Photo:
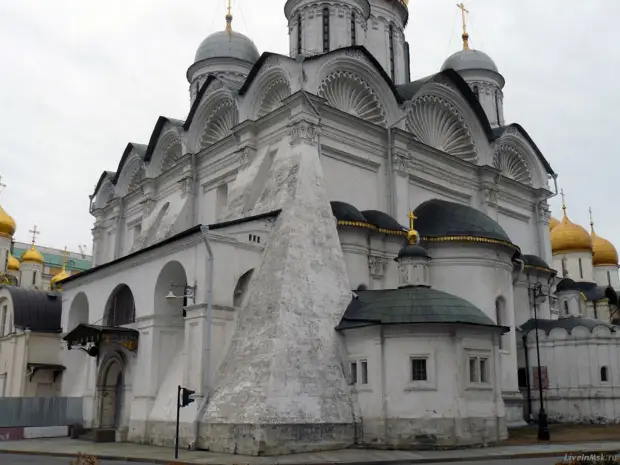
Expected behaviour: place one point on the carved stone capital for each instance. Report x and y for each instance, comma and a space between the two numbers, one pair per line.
245, 156
357, 54
544, 214
490, 195
376, 264
148, 205
186, 185
303, 132
400, 162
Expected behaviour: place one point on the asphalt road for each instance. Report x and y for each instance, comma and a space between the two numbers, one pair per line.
10, 459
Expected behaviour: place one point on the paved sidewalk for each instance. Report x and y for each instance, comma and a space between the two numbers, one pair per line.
65, 447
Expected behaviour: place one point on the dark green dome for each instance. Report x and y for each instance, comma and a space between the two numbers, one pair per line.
410, 305
442, 219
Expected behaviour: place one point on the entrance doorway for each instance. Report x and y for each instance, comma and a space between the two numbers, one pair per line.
111, 394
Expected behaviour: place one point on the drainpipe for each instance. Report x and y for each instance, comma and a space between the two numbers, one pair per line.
538, 205
390, 164
521, 268
195, 189
209, 299
527, 378
384, 405
119, 229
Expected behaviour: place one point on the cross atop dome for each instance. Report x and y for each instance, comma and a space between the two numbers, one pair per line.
465, 35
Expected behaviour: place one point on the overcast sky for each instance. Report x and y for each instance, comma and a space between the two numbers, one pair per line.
82, 78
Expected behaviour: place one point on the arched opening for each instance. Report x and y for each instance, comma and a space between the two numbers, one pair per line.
241, 289
121, 308
391, 39
110, 388
78, 312
501, 320
299, 34
565, 308
172, 277
604, 375
353, 32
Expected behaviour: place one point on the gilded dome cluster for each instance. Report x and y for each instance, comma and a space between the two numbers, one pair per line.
567, 237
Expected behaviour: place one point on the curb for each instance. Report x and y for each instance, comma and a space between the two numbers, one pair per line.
427, 460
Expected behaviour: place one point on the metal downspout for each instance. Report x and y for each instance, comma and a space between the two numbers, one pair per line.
527, 378
207, 355
195, 189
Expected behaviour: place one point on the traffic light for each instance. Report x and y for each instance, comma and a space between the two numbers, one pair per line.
185, 397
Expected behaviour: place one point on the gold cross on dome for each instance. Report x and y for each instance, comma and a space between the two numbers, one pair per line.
465, 35
2, 186
34, 232
65, 255
412, 218
563, 200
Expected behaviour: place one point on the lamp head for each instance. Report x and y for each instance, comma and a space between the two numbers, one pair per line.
170, 295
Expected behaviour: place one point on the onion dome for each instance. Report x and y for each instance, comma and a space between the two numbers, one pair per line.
469, 59
32, 255
553, 222
603, 252
569, 237
59, 277
7, 224
13, 263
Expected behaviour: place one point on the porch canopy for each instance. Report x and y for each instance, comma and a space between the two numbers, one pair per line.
83, 335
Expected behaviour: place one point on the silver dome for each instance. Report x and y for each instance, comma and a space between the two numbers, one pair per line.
227, 44
469, 59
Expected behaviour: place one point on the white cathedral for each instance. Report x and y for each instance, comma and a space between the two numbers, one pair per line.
262, 253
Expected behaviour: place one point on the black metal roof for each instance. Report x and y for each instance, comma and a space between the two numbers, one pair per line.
83, 333
534, 261
568, 323
346, 212
591, 291
188, 232
39, 311
413, 251
382, 220
440, 218
411, 305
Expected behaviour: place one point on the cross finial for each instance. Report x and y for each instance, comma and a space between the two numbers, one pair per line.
591, 219
2, 186
563, 201
228, 16
465, 35
412, 235
65, 255
34, 232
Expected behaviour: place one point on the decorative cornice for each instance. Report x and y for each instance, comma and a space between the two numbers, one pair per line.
483, 240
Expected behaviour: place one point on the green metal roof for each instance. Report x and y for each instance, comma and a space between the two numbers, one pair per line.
411, 305
56, 260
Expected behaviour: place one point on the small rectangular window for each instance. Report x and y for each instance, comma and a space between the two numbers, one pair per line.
34, 278
299, 35
3, 316
473, 370
326, 29
522, 377
580, 269
484, 370
353, 372
352, 28
418, 369
364, 364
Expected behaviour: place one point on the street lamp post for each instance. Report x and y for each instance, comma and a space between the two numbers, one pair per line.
538, 296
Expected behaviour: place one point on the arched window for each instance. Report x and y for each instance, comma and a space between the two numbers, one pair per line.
121, 308
299, 34
353, 28
565, 307
608, 278
241, 288
326, 29
476, 92
604, 375
580, 269
500, 318
391, 38
499, 121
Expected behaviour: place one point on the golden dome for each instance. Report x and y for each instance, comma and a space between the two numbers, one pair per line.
32, 255
569, 237
603, 252
7, 224
59, 277
13, 263
553, 222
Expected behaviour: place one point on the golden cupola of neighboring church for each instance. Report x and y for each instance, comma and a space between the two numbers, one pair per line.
32, 255
569, 237
61, 275
13, 263
7, 224
603, 252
